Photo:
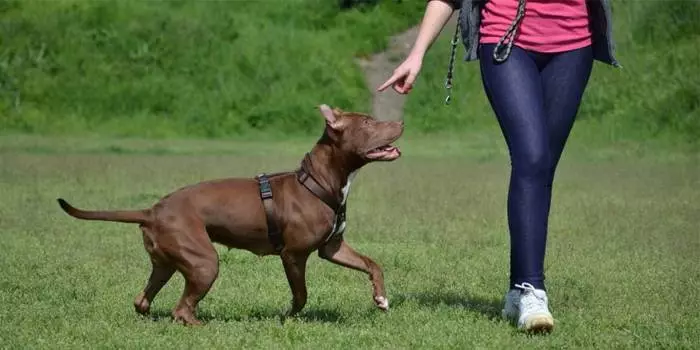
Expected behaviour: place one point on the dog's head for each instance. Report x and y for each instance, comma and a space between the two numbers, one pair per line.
361, 135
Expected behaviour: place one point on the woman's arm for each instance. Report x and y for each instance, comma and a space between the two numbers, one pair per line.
437, 13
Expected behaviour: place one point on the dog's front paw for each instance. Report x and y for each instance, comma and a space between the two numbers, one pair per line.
382, 302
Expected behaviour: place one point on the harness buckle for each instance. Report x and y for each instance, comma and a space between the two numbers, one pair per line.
265, 188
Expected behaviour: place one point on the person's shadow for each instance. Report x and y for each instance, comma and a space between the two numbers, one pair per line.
490, 307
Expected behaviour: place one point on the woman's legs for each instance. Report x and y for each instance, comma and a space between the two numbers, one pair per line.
564, 79
535, 98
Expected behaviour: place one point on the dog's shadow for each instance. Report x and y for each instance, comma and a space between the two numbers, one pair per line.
206, 316
489, 307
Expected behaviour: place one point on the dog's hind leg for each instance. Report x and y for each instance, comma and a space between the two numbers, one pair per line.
159, 277
295, 269
339, 252
160, 274
198, 262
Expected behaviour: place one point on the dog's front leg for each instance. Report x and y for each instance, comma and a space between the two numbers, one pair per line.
295, 269
339, 252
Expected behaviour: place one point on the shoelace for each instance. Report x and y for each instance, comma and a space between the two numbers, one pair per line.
526, 287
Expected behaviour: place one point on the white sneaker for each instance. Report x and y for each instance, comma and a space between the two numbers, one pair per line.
510, 309
534, 315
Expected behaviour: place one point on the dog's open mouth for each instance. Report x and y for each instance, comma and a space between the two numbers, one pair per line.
386, 152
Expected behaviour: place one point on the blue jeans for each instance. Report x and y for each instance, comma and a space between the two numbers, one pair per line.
535, 97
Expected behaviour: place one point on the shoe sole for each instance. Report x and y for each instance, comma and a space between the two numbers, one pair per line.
539, 324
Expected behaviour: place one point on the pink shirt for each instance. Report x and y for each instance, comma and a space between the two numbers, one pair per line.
548, 25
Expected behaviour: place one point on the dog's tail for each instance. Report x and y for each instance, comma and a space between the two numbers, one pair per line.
129, 216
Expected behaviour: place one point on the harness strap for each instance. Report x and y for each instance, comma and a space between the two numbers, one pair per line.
308, 181
312, 185
339, 220
273, 232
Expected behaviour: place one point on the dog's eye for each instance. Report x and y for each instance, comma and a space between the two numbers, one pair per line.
365, 121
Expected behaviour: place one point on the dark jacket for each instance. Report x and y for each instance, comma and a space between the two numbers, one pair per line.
600, 17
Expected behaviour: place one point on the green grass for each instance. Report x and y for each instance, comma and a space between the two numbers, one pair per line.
621, 264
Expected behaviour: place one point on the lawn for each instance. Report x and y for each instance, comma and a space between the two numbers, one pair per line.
622, 263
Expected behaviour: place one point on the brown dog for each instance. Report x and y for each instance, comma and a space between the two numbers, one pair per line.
305, 213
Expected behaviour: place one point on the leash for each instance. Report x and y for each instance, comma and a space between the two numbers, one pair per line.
509, 35
451, 65
499, 55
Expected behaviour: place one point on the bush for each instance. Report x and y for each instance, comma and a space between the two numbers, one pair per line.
656, 94
184, 68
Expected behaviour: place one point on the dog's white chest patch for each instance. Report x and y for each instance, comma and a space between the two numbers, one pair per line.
339, 228
346, 189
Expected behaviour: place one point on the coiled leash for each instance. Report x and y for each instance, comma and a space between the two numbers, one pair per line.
509, 35
500, 52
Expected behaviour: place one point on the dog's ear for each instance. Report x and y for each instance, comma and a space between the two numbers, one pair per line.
331, 115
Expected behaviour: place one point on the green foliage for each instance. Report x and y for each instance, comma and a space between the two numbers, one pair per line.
205, 68
656, 94
221, 68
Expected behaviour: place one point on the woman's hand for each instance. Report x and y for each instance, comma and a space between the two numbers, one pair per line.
404, 75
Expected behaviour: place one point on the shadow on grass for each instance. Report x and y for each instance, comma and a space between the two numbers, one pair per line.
489, 307
311, 315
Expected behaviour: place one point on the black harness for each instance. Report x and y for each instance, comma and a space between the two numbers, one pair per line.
274, 233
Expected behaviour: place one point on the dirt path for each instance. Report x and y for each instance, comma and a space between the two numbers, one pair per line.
388, 104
